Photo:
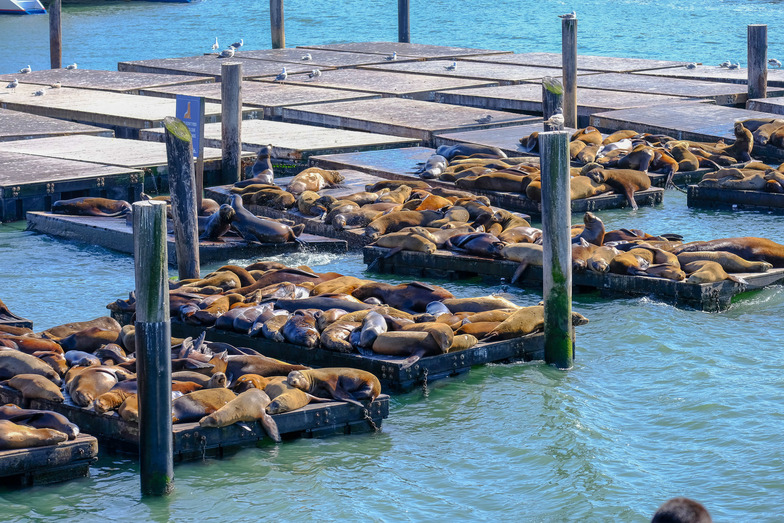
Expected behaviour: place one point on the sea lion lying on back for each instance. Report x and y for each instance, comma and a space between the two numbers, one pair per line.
314, 179
89, 206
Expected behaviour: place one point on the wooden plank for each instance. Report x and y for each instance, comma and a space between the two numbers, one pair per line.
711, 297
15, 125
49, 464
318, 57
607, 64
388, 369
117, 81
714, 73
272, 97
405, 49
716, 198
766, 105
125, 113
400, 117
117, 234
208, 65
505, 74
385, 83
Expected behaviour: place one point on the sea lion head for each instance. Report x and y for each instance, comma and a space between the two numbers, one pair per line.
597, 175
265, 152
299, 380
226, 213
217, 381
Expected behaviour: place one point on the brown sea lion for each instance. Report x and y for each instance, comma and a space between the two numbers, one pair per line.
525, 254
90, 206
520, 234
300, 329
478, 329
409, 297
525, 321
741, 148
285, 397
30, 344
580, 254
249, 406
638, 159
87, 385
40, 419
218, 224
588, 135
600, 259
35, 386
314, 179
397, 220
617, 136
17, 436
194, 406
579, 187
253, 228
629, 263
748, 248
623, 181
478, 304
729, 262
235, 365
339, 383
704, 271
249, 381
593, 232
14, 362
335, 337
90, 339
62, 331
129, 410
403, 241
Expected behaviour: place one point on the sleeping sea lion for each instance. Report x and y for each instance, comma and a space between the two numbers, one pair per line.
14, 362
195, 405
412, 296
16, 436
339, 383
314, 179
89, 206
249, 406
704, 271
35, 386
40, 419
728, 261
748, 248
285, 397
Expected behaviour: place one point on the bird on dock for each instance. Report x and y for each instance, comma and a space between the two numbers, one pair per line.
451, 67
485, 119
774, 63
725, 64
556, 121
227, 53
56, 85
735, 65
315, 73
12, 84
39, 93
25, 70
692, 65
569, 16
215, 45
237, 45
282, 76
71, 67
307, 57
393, 56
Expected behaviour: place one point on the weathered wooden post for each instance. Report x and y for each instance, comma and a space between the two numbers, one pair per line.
569, 63
552, 102
758, 60
557, 245
231, 122
276, 22
179, 154
55, 34
403, 21
153, 348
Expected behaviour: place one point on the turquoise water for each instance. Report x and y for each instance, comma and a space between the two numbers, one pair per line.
661, 402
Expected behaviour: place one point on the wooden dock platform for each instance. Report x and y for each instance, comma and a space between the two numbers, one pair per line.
709, 297
116, 234
32, 183
271, 97
126, 114
766, 105
116, 81
421, 51
715, 198
400, 117
209, 65
15, 125
389, 84
192, 442
608, 64
319, 58
388, 369
714, 73
50, 464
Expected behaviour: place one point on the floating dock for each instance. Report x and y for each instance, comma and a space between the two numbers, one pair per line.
716, 198
209, 65
407, 50
117, 234
766, 105
606, 64
50, 464
32, 183
116, 81
318, 57
192, 442
714, 73
15, 125
709, 297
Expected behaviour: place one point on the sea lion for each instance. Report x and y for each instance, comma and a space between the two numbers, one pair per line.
666, 271
705, 271
273, 197
195, 405
623, 181
249, 406
14, 362
525, 254
360, 218
478, 304
394, 221
743, 145
111, 353
600, 259
593, 232
409, 297
249, 381
90, 339
262, 167
373, 325
87, 385
300, 329
339, 383
30, 344
35, 386
78, 358
90, 206
313, 179
748, 248
433, 167
525, 321
403, 241
218, 223
40, 419
285, 397
729, 262
579, 187
629, 263
476, 243
465, 149
306, 203
234, 366
617, 136
270, 329
129, 410
59, 332
16, 436
589, 135
253, 228
335, 337
493, 181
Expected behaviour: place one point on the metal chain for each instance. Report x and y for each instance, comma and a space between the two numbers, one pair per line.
203, 442
366, 416
425, 390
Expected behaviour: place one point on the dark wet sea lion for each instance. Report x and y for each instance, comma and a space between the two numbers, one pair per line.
593, 231
339, 383
253, 228
335, 337
450, 151
300, 329
78, 358
476, 243
89, 206
412, 296
218, 223
373, 325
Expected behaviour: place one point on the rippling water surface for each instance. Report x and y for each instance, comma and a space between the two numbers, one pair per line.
661, 401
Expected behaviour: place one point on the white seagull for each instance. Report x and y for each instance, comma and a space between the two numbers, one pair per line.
237, 45
774, 63
734, 66
692, 65
227, 53
569, 16
451, 67
12, 84
315, 73
215, 45
307, 57
393, 56
72, 66
725, 63
40, 93
485, 119
24, 70
282, 76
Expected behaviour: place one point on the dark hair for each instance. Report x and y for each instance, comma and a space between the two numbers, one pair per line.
681, 510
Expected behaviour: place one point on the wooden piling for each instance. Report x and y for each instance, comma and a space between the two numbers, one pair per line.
153, 348
557, 266
758, 60
552, 102
569, 62
231, 121
403, 21
276, 23
55, 34
182, 185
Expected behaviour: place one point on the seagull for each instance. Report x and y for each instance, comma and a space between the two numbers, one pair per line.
393, 56
227, 53
692, 65
568, 16
556, 120
282, 76
307, 57
25, 70
215, 45
315, 73
72, 66
40, 93
12, 84
237, 45
725, 63
734, 66
451, 67
774, 63
56, 85
485, 119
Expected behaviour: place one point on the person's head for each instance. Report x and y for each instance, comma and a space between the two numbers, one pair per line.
681, 510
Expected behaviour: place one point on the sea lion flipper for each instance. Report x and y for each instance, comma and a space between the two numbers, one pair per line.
340, 394
393, 251
316, 399
519, 271
422, 285
270, 427
411, 360
737, 279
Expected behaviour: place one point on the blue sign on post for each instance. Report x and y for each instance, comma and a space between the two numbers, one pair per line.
189, 111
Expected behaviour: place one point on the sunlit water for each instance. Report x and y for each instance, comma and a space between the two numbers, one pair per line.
661, 401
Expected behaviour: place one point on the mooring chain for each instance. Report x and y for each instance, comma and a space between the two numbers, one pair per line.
366, 416
203, 443
425, 390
